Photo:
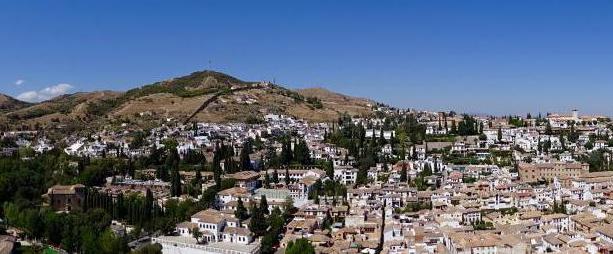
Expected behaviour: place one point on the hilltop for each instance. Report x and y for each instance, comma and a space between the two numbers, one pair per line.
200, 96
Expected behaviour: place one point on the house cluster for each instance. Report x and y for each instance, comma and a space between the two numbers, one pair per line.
574, 215
518, 186
12, 141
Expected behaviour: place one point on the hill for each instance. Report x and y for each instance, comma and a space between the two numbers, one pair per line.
8, 103
339, 102
200, 96
77, 105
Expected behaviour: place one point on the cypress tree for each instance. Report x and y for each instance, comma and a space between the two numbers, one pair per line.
548, 130
172, 160
403, 174
261, 163
445, 120
228, 165
198, 177
217, 168
266, 180
175, 182
286, 152
275, 176
301, 152
287, 179
130, 168
148, 204
241, 211
257, 223
245, 160
86, 200
435, 164
264, 205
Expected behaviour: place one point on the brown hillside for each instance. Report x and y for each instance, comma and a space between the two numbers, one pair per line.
207, 95
8, 103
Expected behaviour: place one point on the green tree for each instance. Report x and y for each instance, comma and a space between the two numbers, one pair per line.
148, 205
300, 246
172, 159
89, 241
198, 177
271, 238
562, 141
573, 135
217, 168
111, 244
382, 140
302, 154
244, 157
288, 206
149, 249
362, 177
427, 171
275, 176
589, 145
286, 151
327, 222
241, 211
548, 130
175, 182
287, 178
257, 223
196, 234
403, 174
264, 205
266, 180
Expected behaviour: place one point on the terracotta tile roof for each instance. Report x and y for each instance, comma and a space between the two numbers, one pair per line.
209, 216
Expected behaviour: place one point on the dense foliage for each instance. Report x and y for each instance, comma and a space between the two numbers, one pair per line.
300, 246
26, 176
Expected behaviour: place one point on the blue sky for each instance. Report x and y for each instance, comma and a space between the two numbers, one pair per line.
472, 56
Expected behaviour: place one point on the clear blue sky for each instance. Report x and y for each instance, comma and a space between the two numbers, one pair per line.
472, 56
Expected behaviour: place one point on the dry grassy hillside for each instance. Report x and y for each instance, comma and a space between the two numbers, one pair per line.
8, 103
339, 102
210, 96
77, 106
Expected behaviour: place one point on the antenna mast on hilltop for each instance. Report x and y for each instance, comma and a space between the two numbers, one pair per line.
210, 65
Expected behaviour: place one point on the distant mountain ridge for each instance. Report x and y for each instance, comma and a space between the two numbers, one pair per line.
200, 96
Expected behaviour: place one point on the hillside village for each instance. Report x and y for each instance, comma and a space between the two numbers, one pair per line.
306, 127
401, 181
